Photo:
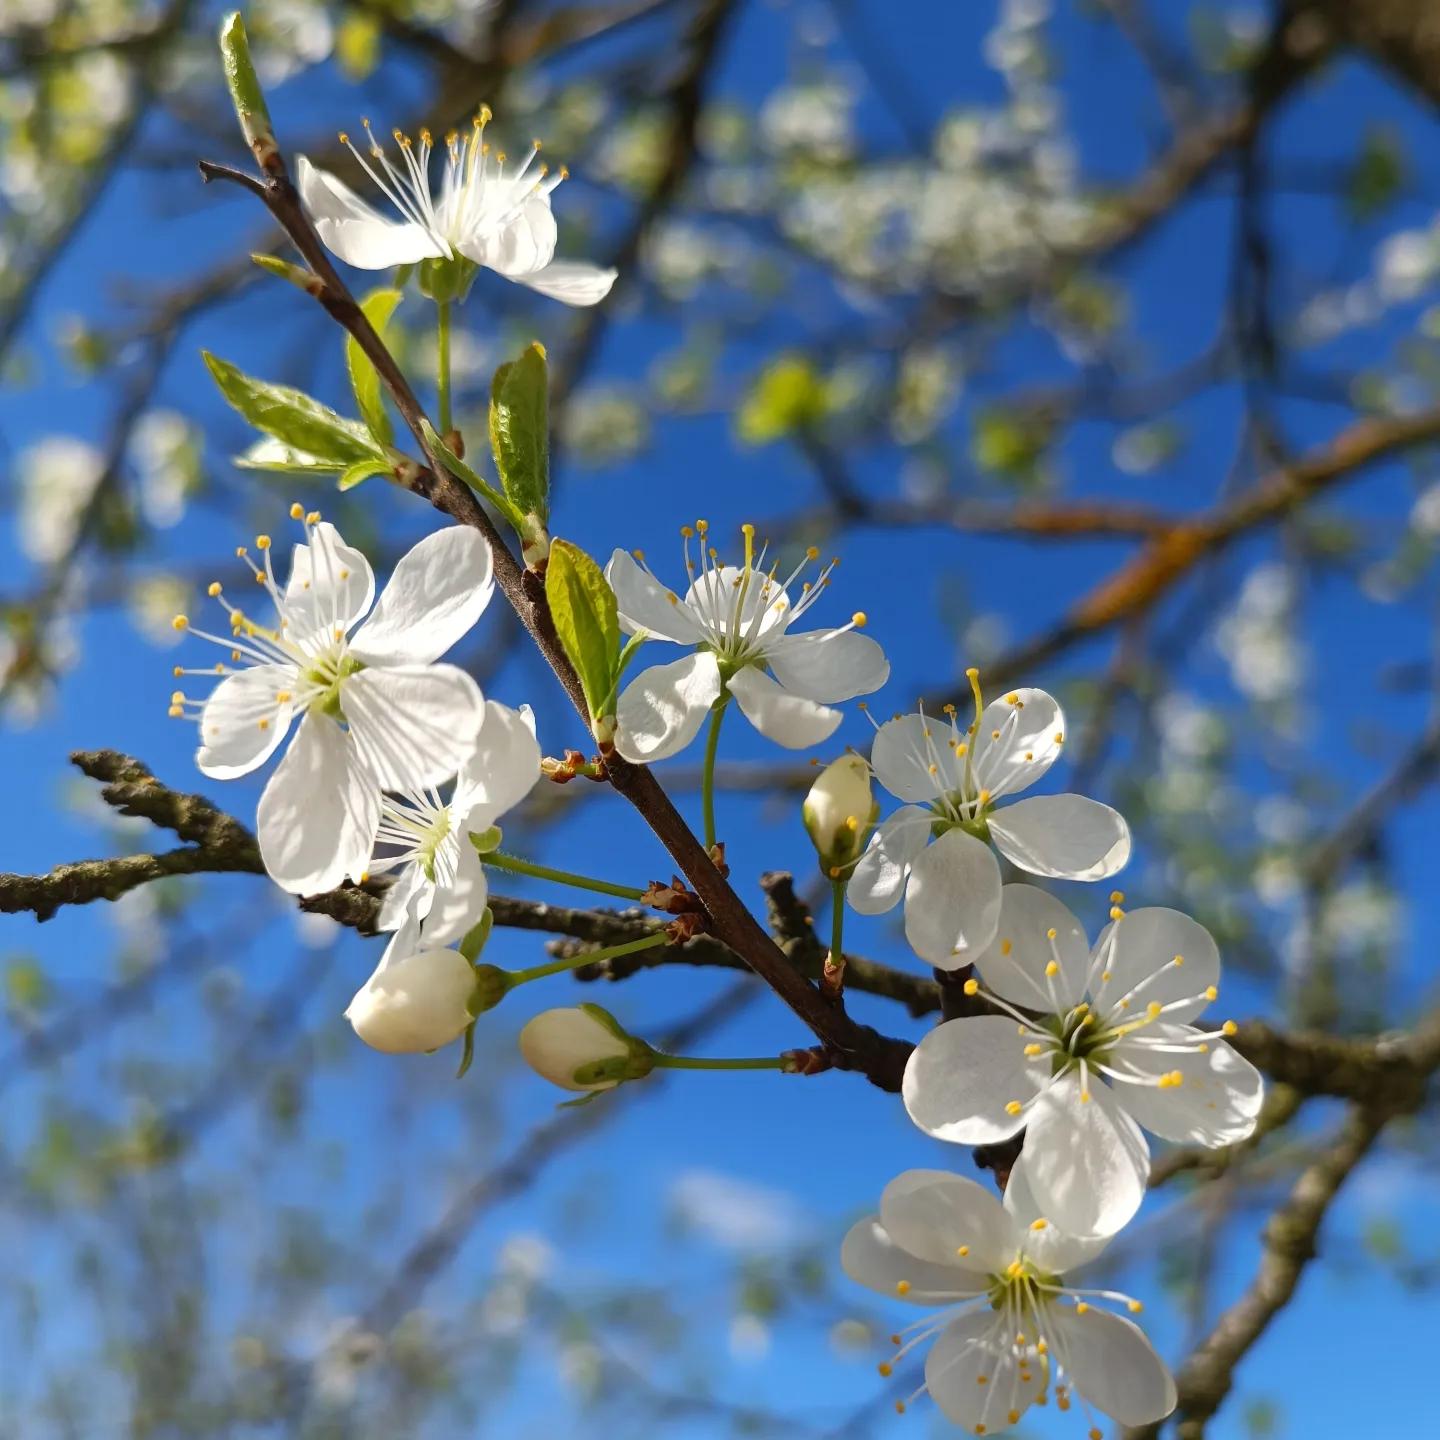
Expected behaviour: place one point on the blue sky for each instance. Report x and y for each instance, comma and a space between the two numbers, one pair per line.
824, 1147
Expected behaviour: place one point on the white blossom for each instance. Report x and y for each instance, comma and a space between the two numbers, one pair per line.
1008, 1331
58, 476
738, 619
559, 1043
1091, 1045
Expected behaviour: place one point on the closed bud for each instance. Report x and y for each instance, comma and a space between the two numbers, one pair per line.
584, 1047
418, 1001
839, 812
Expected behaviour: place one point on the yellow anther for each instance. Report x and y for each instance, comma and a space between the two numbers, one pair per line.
1116, 913
994, 734
1134, 1306
1082, 1308
1059, 738
1052, 970
1117, 896
1033, 1050
982, 1379
1177, 960
213, 589
1040, 1224
1105, 975
1154, 1009
638, 554
1014, 1417
282, 697
175, 712
702, 527
812, 553
962, 1251
1211, 993
886, 1369
313, 517
1029, 754
1014, 1269
1012, 698
979, 1429
687, 532
1229, 1028
1041, 1348
1006, 946
902, 1287
344, 138
262, 542
1051, 933
852, 823
1013, 1107
177, 697
178, 671
344, 574
240, 552
1085, 1097
899, 1407
984, 797
297, 511
1096, 1433
859, 620
971, 987
263, 724
180, 622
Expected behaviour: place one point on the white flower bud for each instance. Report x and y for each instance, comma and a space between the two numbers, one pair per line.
839, 811
417, 1002
559, 1043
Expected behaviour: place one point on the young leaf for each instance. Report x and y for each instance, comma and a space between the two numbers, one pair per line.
363, 470
378, 306
457, 467
586, 620
291, 416
270, 454
520, 431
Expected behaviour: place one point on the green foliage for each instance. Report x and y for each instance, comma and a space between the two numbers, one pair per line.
378, 307
788, 395
293, 417
586, 620
1009, 444
520, 431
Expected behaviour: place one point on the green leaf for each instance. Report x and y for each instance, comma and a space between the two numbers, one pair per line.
457, 467
378, 306
788, 395
583, 607
291, 416
270, 454
363, 470
520, 431
245, 92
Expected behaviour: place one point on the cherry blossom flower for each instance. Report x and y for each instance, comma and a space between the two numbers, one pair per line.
427, 839
1008, 1331
583, 1047
482, 214
375, 712
1092, 1044
952, 779
738, 619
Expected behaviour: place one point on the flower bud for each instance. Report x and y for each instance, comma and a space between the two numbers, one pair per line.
583, 1048
839, 811
416, 1002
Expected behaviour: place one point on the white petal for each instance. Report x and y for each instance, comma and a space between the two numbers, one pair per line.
824, 666
519, 248
934, 1214
1217, 1101
879, 877
355, 231
503, 768
557, 1043
317, 817
975, 1347
233, 740
952, 900
414, 725
1031, 735
1051, 1248
571, 281
872, 1259
963, 1074
414, 1002
1112, 1364
331, 585
788, 720
911, 758
645, 604
1013, 965
1066, 836
662, 709
410, 894
1135, 952
729, 601
1086, 1160
458, 903
437, 592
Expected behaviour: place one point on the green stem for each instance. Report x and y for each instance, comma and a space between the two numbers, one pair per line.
589, 957
707, 775
517, 866
442, 344
837, 925
697, 1062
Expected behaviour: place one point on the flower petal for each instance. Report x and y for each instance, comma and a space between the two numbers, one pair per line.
1217, 1101
1112, 1364
317, 817
788, 720
458, 902
962, 1075
662, 709
1051, 1248
934, 1214
437, 591
1013, 965
878, 879
243, 722
872, 1259
952, 900
331, 585
973, 1373
1066, 836
503, 768
411, 893
1016, 744
910, 758
354, 230
571, 281
825, 666
416, 1001
645, 604
518, 248
1136, 951
413, 725
1086, 1160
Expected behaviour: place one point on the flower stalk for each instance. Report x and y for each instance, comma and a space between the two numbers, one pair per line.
516, 866
588, 957
707, 774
